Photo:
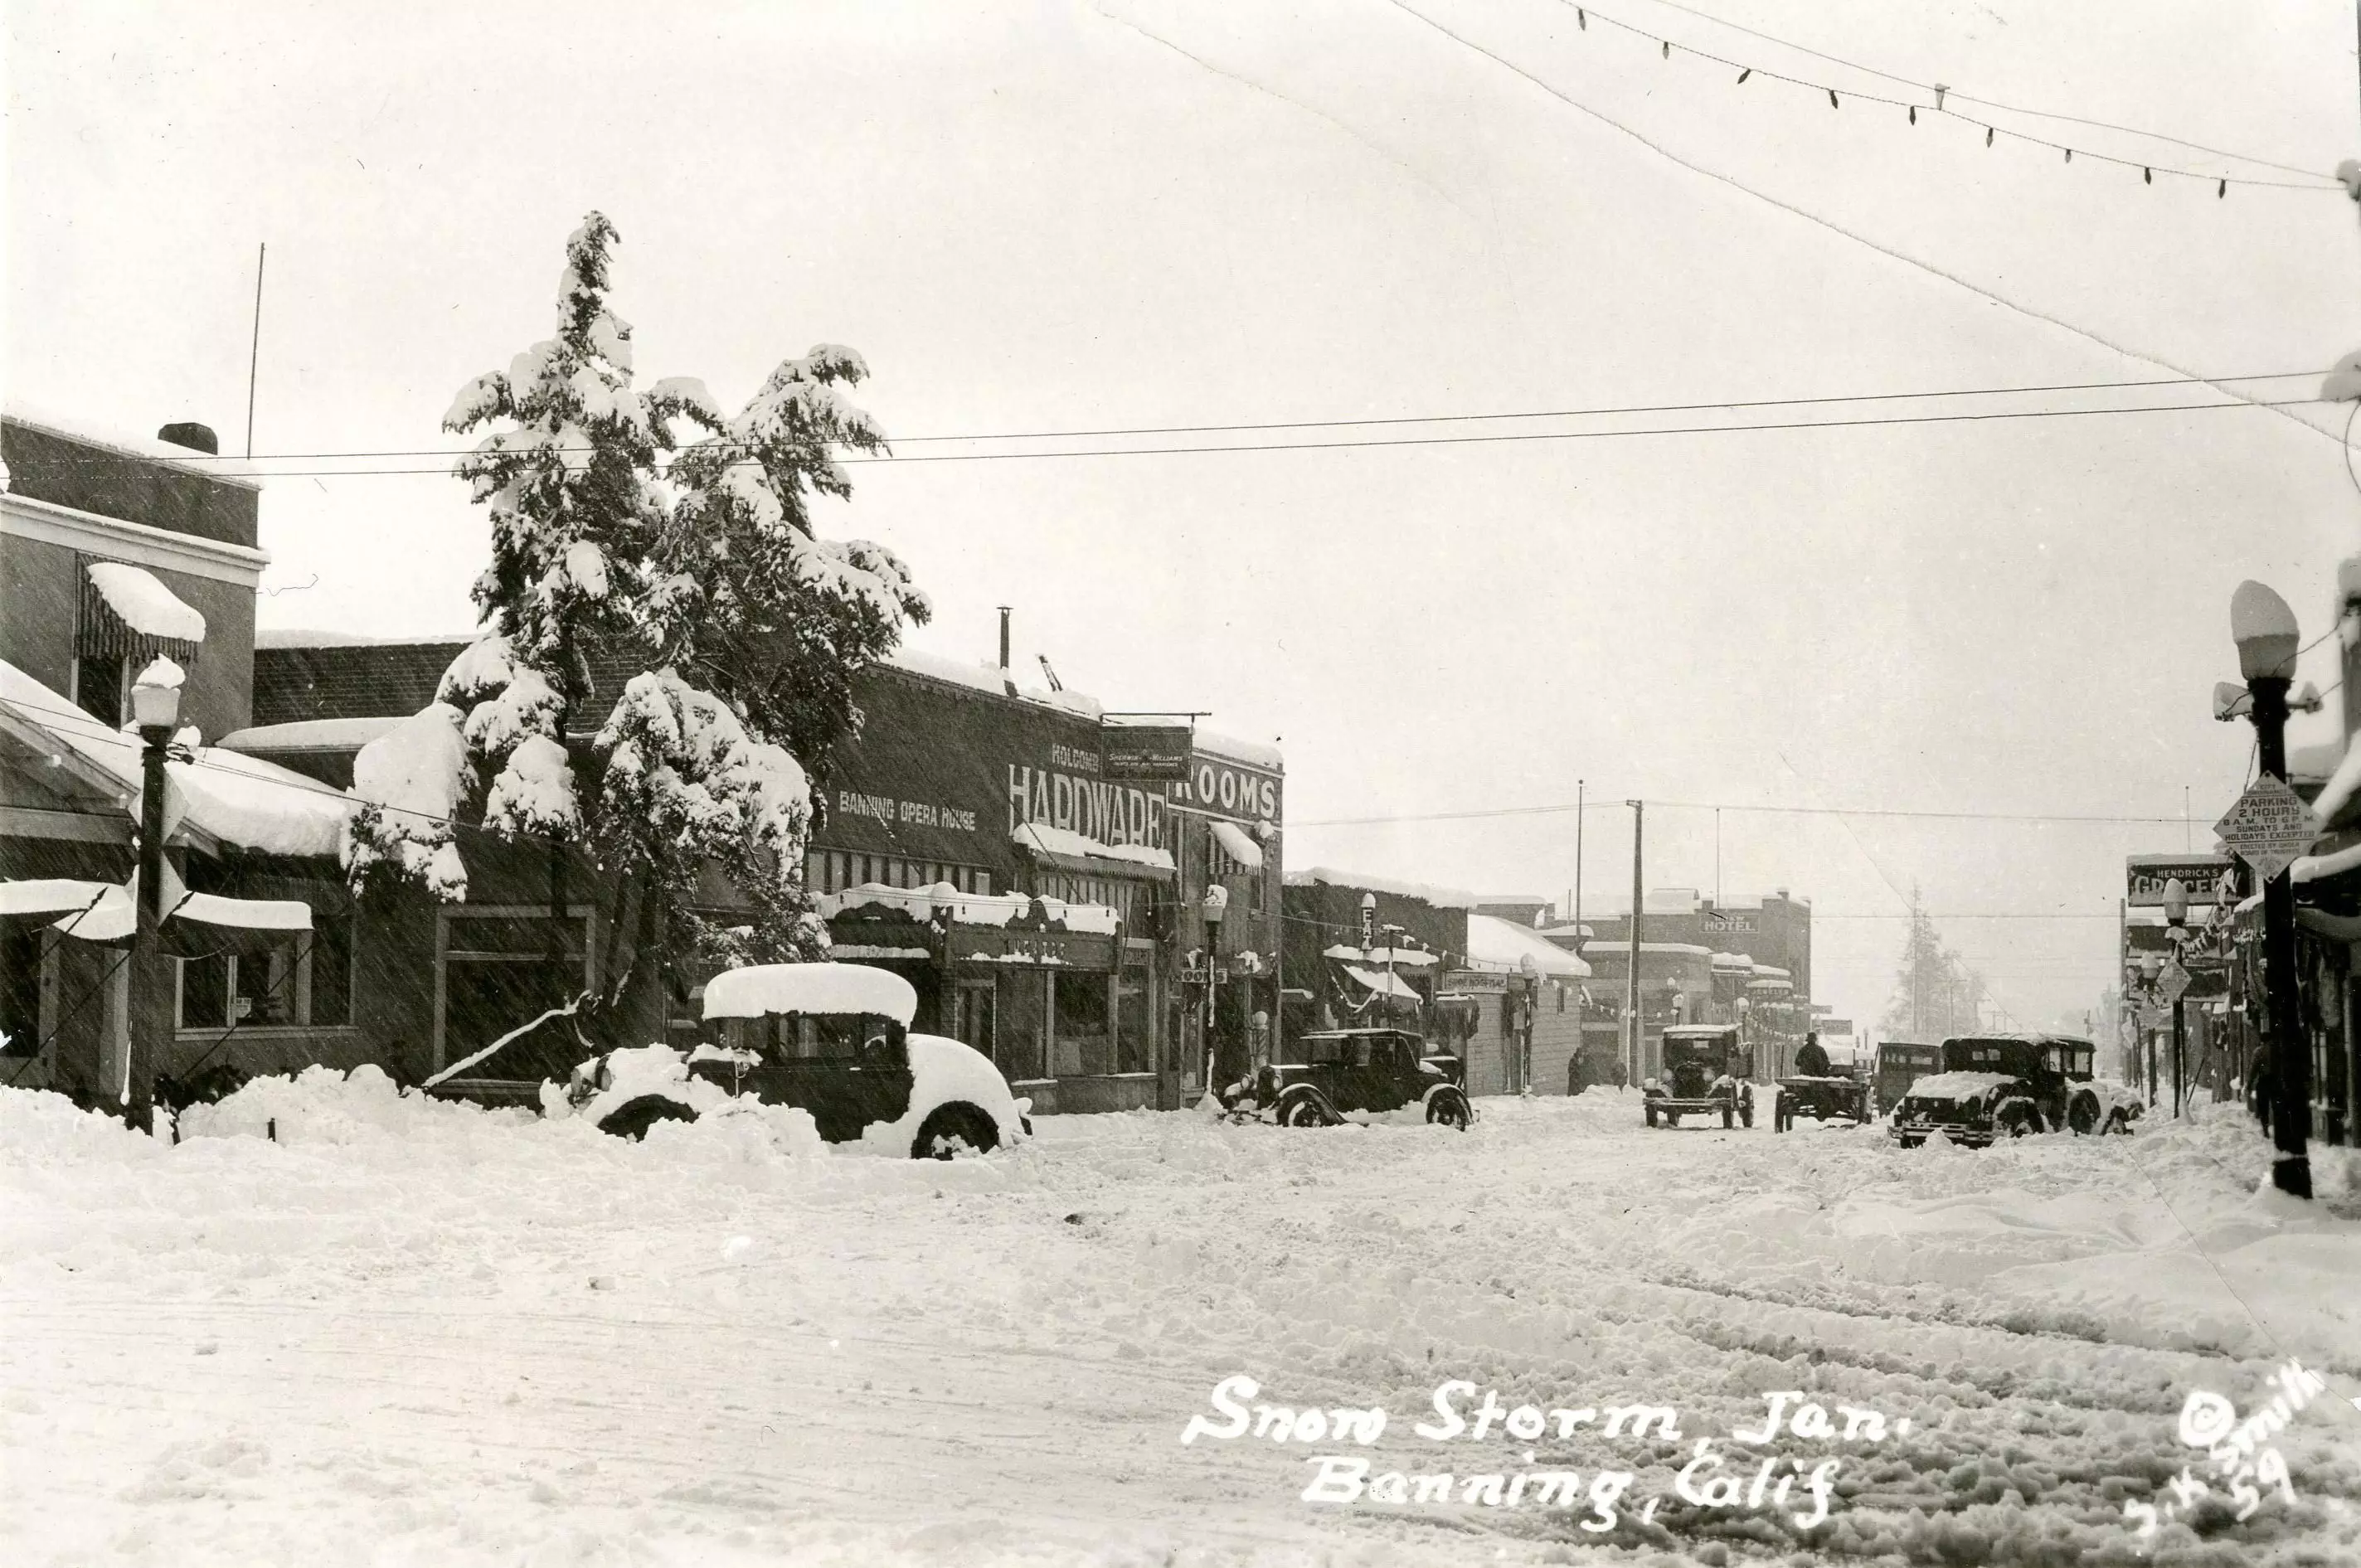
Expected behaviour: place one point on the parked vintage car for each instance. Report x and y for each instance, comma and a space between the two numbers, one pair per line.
1996, 1086
1340, 1072
832, 1039
1899, 1063
1706, 1070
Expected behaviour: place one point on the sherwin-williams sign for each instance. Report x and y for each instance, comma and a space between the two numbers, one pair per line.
1157, 753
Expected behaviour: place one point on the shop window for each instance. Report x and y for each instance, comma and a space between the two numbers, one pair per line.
1085, 1043
1132, 1045
23, 950
1021, 1014
298, 979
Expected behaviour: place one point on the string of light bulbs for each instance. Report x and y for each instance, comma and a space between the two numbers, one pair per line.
1937, 100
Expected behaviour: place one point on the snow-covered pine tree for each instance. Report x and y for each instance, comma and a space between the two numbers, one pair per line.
698, 565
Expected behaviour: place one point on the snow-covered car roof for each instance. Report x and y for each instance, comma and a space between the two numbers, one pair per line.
766, 988
1957, 1085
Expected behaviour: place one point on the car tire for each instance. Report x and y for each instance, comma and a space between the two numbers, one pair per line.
1672, 1118
1305, 1110
1651, 1109
1746, 1114
1728, 1118
1448, 1107
950, 1127
2018, 1119
633, 1120
2082, 1115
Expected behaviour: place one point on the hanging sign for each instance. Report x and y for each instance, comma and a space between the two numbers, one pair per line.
2269, 827
1160, 752
2173, 981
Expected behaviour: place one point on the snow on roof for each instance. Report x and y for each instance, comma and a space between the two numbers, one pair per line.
2312, 868
304, 637
1048, 841
1324, 876
1251, 752
2338, 792
1733, 960
809, 988
1609, 947
90, 433
1769, 972
969, 908
240, 800
1497, 944
143, 601
309, 735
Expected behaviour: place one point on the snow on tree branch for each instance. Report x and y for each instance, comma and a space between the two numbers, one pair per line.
410, 782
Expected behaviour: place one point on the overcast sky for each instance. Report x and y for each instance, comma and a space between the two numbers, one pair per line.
1067, 217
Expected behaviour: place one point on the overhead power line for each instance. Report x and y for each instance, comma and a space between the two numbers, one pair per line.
1496, 438
1795, 209
1597, 411
1839, 811
1935, 100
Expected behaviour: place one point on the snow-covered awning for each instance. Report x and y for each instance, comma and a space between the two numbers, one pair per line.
1497, 944
127, 613
1237, 844
1070, 851
226, 797
1381, 982
109, 912
1400, 958
140, 599
969, 908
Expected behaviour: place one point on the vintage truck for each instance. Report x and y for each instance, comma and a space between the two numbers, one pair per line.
1997, 1086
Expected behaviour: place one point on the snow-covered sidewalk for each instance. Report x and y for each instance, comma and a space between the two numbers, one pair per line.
411, 1333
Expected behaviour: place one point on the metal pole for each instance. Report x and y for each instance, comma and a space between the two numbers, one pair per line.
2290, 1061
2177, 1038
253, 359
1632, 976
1577, 854
149, 1021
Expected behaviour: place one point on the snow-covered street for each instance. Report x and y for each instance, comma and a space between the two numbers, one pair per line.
415, 1333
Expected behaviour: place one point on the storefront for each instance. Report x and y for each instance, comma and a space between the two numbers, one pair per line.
1017, 859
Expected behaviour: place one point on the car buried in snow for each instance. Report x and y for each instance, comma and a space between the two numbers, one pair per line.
1352, 1074
831, 1039
1706, 1067
2010, 1086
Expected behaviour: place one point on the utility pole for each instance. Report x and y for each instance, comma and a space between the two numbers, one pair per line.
1632, 970
1577, 864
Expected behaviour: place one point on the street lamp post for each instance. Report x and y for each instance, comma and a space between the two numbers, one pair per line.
1531, 973
2149, 964
156, 710
2265, 631
1217, 903
2175, 920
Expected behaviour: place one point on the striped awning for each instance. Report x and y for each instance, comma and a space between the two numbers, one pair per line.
127, 613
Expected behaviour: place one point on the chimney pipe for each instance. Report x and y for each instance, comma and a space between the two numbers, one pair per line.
1004, 639
195, 437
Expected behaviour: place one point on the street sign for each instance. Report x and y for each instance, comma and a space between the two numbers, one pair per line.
2269, 827
2173, 981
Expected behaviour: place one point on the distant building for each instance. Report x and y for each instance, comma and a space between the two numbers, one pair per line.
1743, 960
